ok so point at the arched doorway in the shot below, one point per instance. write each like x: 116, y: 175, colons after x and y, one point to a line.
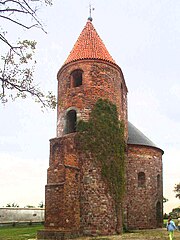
x: 159, y: 214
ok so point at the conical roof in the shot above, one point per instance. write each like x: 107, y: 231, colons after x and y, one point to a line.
x: 89, y: 46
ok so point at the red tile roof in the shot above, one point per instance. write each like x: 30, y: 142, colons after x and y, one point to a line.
x: 89, y: 46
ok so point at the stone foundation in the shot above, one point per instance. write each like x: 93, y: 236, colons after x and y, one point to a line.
x: 56, y: 235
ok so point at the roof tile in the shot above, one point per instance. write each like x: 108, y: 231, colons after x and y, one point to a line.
x: 89, y: 46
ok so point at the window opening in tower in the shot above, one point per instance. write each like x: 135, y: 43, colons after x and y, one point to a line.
x: 71, y: 119
x: 76, y: 77
x: 141, y: 179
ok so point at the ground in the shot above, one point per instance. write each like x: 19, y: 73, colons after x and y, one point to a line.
x: 160, y: 234
x: 29, y: 233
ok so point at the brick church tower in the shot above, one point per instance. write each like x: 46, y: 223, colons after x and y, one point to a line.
x: 76, y: 198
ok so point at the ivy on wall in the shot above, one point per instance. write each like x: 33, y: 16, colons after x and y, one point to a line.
x: 103, y: 138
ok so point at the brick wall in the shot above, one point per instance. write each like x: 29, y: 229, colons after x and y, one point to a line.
x: 77, y: 198
x: 142, y: 200
x: 100, y: 80
x: 98, y: 215
x: 62, y: 189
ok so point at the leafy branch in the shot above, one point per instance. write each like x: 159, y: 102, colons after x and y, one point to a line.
x: 16, y: 76
x: 177, y: 190
x: 17, y: 67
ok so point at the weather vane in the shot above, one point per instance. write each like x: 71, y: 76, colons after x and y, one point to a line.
x: 90, y: 10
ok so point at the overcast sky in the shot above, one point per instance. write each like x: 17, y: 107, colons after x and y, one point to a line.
x: 143, y: 38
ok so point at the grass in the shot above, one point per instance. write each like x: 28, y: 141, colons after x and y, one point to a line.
x: 29, y: 232
x: 19, y: 232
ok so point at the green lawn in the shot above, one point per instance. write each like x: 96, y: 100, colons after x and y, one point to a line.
x: 19, y: 232
x: 29, y: 232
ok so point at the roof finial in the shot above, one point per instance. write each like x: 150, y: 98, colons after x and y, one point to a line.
x: 90, y: 9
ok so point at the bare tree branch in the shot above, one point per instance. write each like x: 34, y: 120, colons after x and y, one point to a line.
x: 18, y: 23
x: 28, y: 6
x: 13, y: 10
x: 5, y: 40
x: 4, y: 2
x: 17, y: 68
x: 25, y: 8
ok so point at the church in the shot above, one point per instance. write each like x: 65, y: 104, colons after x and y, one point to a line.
x: 76, y: 197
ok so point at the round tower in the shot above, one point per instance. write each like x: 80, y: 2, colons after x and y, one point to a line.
x: 89, y: 73
x: 77, y: 198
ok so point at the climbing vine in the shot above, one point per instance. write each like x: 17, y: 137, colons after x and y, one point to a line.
x: 103, y: 138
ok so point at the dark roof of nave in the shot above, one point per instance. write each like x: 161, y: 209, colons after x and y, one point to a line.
x: 136, y: 137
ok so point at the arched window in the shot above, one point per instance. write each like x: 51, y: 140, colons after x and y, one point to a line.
x: 122, y: 97
x: 159, y: 214
x: 141, y: 179
x: 76, y: 78
x: 71, y: 118
x: 158, y: 181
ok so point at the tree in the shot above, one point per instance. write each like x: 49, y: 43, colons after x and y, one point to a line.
x: 30, y: 206
x: 177, y: 190
x: 17, y: 65
x: 41, y: 204
x: 165, y: 199
x: 165, y: 216
x: 12, y: 205
x: 175, y: 212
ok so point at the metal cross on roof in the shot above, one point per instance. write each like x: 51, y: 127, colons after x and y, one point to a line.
x: 90, y: 10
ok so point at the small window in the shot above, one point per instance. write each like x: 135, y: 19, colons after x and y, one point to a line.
x: 71, y: 119
x: 158, y: 181
x: 122, y: 97
x: 76, y: 78
x: 141, y: 179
